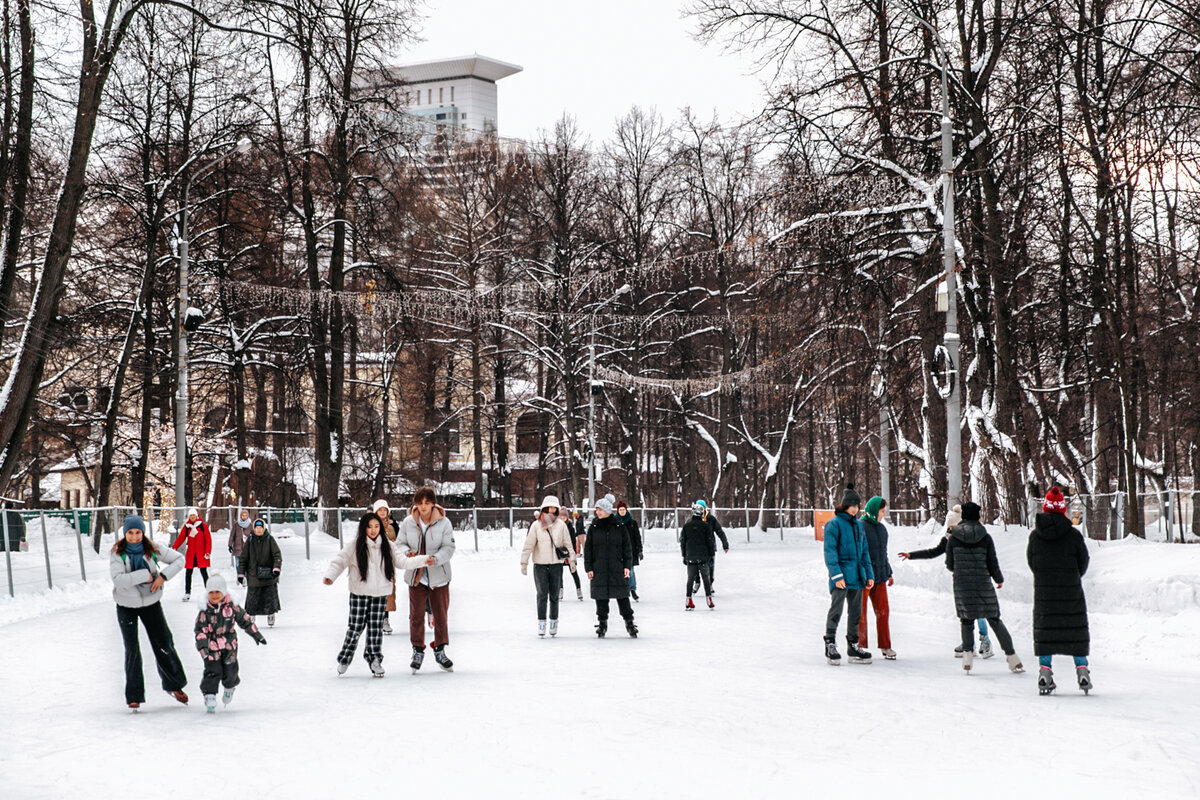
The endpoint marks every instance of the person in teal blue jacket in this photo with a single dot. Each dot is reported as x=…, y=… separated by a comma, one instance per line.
x=850, y=573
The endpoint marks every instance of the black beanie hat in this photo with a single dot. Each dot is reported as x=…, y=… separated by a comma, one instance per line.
x=970, y=511
x=850, y=497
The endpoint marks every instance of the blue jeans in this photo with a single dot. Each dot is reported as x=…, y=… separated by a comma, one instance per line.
x=1080, y=661
x=632, y=579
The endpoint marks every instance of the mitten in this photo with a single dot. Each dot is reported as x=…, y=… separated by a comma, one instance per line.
x=276, y=572
x=261, y=639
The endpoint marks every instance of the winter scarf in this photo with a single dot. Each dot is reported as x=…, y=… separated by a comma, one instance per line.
x=872, y=508
x=137, y=555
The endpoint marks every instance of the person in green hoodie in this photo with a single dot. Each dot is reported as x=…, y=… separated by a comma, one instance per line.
x=877, y=541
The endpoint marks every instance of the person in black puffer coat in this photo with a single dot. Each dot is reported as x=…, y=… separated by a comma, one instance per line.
x=1058, y=558
x=971, y=556
x=696, y=545
x=607, y=557
x=259, y=567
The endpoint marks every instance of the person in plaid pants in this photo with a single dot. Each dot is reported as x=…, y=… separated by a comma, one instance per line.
x=371, y=563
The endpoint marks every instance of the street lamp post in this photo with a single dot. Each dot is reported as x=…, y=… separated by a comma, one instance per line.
x=625, y=289
x=181, y=391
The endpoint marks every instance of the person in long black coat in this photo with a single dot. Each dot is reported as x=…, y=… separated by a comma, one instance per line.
x=635, y=540
x=1058, y=558
x=971, y=556
x=607, y=557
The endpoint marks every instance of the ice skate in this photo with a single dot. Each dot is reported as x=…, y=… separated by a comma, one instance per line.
x=710, y=602
x=831, y=653
x=180, y=696
x=856, y=654
x=985, y=647
x=631, y=629
x=443, y=661
x=554, y=627
x=418, y=657
x=270, y=620
x=134, y=706
x=227, y=696
x=633, y=594
x=187, y=598
x=341, y=668
x=601, y=628
x=542, y=628
x=579, y=592
x=1014, y=663
x=689, y=605
x=1084, y=676
x=377, y=667
x=1046, y=683
x=888, y=653
x=958, y=651
x=210, y=703
x=387, y=626
x=967, y=657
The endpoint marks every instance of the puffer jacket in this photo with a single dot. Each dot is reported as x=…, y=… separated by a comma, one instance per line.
x=375, y=584
x=971, y=556
x=260, y=551
x=216, y=630
x=607, y=553
x=1058, y=558
x=696, y=541
x=846, y=555
x=877, y=543
x=199, y=543
x=131, y=588
x=439, y=543
x=540, y=543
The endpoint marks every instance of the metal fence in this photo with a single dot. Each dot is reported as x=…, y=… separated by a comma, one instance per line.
x=54, y=547
x=1169, y=515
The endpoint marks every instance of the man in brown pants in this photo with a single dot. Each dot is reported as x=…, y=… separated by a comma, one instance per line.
x=426, y=531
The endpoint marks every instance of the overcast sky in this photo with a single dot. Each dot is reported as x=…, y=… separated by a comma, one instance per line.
x=593, y=60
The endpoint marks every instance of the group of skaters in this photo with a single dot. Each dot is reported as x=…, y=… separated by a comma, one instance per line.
x=859, y=573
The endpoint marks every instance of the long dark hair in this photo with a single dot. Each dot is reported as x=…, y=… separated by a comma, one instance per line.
x=360, y=547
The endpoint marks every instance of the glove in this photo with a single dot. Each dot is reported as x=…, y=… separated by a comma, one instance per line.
x=524, y=569
x=276, y=572
x=241, y=580
x=261, y=640
x=726, y=549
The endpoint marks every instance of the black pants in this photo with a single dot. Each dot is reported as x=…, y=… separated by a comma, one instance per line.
x=712, y=573
x=187, y=579
x=623, y=605
x=218, y=673
x=697, y=573
x=1002, y=634
x=839, y=597
x=548, y=580
x=170, y=668
x=574, y=575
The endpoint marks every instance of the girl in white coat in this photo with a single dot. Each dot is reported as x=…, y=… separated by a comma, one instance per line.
x=372, y=564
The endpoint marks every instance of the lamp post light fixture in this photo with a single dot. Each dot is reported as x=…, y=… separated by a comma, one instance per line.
x=189, y=319
x=593, y=388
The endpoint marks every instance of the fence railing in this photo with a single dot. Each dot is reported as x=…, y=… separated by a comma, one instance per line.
x=52, y=547
x=1169, y=515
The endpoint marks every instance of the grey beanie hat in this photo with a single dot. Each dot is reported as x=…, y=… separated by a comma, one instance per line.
x=605, y=505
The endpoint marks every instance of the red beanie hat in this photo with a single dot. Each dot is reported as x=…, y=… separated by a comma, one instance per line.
x=1055, y=502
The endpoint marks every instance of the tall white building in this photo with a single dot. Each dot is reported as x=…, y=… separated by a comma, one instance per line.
x=458, y=92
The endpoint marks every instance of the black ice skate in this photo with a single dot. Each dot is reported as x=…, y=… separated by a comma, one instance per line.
x=856, y=654
x=631, y=629
x=831, y=652
x=601, y=628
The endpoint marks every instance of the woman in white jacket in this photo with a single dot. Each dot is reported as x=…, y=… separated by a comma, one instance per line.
x=548, y=536
x=372, y=564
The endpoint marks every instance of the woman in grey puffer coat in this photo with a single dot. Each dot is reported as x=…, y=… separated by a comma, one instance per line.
x=971, y=556
x=139, y=568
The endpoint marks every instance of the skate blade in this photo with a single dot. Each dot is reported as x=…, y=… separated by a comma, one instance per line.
x=889, y=658
x=833, y=663
x=860, y=661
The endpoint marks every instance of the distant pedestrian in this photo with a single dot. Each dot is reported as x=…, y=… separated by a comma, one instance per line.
x=849, y=566
x=259, y=566
x=547, y=543
x=216, y=639
x=877, y=541
x=971, y=557
x=607, y=556
x=199, y=548
x=139, y=569
x=238, y=532
x=1058, y=557
x=372, y=565
x=565, y=518
x=384, y=513
x=697, y=547
x=635, y=539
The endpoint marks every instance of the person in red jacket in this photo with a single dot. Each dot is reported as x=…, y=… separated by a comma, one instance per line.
x=199, y=549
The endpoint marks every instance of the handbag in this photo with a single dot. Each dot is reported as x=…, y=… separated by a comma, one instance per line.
x=560, y=552
x=264, y=573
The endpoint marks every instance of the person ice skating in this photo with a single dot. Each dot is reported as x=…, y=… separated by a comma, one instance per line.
x=138, y=570
x=715, y=532
x=971, y=557
x=565, y=518
x=635, y=539
x=697, y=547
x=548, y=542
x=953, y=517
x=217, y=641
x=607, y=557
x=237, y=538
x=426, y=531
x=849, y=566
x=877, y=540
x=371, y=563
x=580, y=532
x=199, y=549
x=1058, y=558
x=384, y=513
x=259, y=567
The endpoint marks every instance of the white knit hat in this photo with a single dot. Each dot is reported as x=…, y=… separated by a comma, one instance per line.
x=380, y=503
x=193, y=512
x=549, y=501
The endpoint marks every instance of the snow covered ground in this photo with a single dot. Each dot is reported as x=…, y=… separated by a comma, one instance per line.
x=736, y=702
